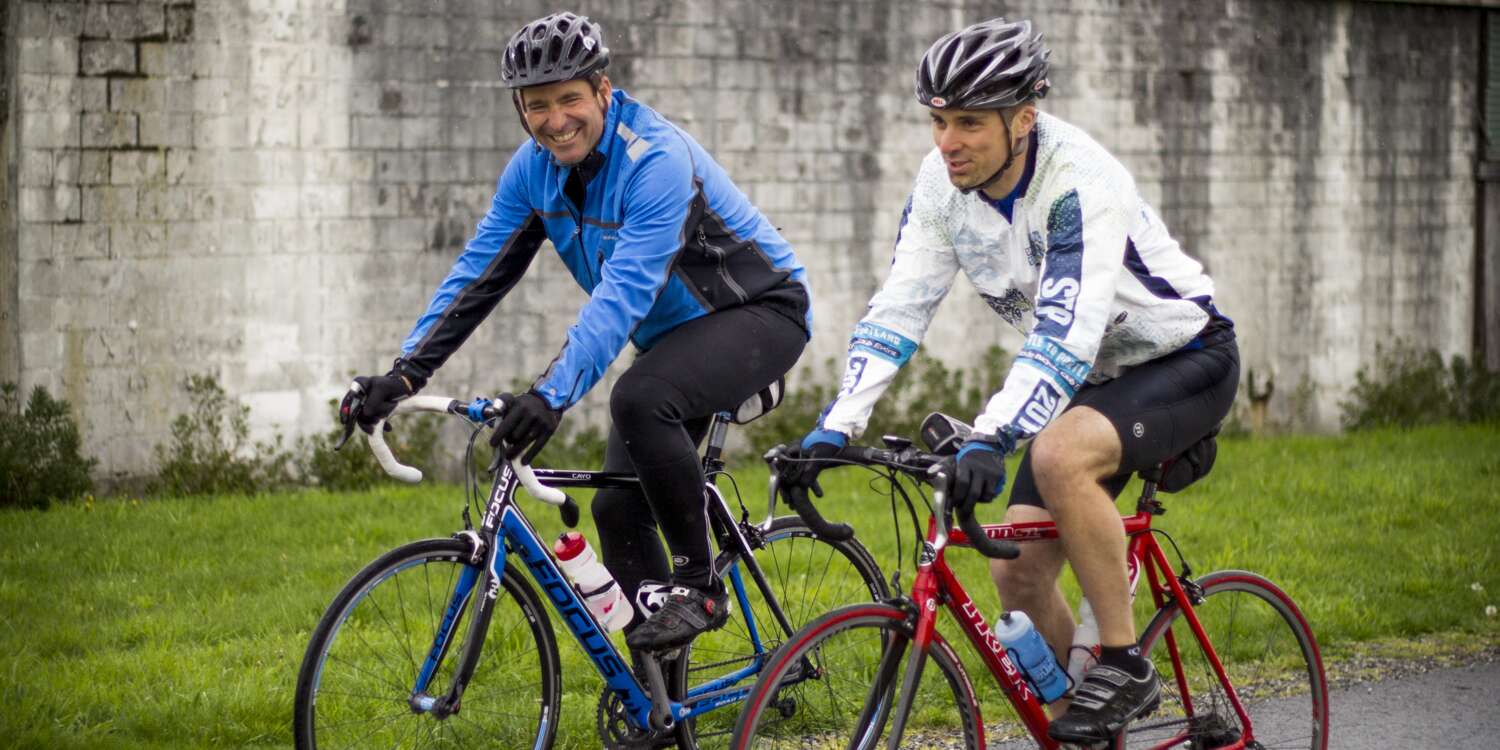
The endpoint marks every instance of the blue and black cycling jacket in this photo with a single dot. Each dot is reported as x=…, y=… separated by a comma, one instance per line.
x=663, y=237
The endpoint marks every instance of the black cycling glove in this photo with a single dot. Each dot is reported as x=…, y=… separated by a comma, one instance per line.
x=377, y=396
x=527, y=426
x=978, y=472
x=819, y=446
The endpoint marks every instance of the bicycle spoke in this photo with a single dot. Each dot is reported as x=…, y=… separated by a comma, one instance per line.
x=388, y=681
x=405, y=628
x=454, y=733
x=358, y=741
x=846, y=675
x=365, y=696
x=1263, y=649
x=362, y=701
x=401, y=636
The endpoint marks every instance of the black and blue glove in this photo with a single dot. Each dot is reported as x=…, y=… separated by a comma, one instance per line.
x=377, y=396
x=819, y=446
x=978, y=471
x=527, y=425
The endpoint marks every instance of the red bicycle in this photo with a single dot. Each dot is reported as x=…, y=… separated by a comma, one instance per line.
x=1239, y=665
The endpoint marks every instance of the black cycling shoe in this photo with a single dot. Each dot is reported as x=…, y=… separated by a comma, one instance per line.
x=686, y=613
x=1108, y=699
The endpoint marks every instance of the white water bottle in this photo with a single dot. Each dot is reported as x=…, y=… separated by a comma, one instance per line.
x=592, y=580
x=1032, y=655
x=1084, y=653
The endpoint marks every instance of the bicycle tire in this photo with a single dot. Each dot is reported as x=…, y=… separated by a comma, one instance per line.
x=845, y=678
x=845, y=573
x=1269, y=653
x=360, y=666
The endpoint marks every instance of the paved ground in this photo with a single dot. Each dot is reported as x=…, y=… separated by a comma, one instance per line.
x=1457, y=707
x=1452, y=707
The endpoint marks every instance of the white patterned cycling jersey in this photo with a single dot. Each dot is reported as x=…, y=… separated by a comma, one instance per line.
x=1074, y=259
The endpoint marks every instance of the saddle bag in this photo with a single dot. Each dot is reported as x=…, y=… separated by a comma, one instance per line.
x=1191, y=465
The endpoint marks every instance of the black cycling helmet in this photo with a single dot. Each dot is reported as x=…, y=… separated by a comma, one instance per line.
x=990, y=65
x=559, y=47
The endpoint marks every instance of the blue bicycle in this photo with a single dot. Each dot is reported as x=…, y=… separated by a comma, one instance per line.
x=445, y=643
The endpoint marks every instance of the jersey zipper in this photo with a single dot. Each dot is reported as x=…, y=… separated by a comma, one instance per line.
x=583, y=253
x=719, y=255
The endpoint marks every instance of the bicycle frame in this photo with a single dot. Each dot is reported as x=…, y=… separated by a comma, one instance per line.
x=505, y=523
x=935, y=582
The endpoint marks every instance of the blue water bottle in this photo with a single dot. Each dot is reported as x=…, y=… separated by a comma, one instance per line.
x=1032, y=655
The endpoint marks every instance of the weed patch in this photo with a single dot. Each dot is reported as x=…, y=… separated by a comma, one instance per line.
x=1406, y=387
x=40, y=460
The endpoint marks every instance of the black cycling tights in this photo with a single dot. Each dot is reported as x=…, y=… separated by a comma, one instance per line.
x=661, y=408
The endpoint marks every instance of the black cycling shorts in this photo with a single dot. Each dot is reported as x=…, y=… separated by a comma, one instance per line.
x=1159, y=409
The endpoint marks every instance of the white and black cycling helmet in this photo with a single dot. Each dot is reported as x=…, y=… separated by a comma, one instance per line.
x=559, y=47
x=990, y=65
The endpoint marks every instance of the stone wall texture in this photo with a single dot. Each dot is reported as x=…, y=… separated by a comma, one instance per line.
x=269, y=190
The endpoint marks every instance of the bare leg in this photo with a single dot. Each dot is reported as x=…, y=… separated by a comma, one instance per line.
x=1029, y=584
x=1069, y=459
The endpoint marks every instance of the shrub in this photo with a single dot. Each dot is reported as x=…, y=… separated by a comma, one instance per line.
x=926, y=386
x=413, y=439
x=40, y=460
x=576, y=445
x=208, y=453
x=1407, y=387
x=923, y=386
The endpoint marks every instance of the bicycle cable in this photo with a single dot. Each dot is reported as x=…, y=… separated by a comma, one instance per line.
x=891, y=474
x=735, y=485
x=471, y=479
x=1182, y=563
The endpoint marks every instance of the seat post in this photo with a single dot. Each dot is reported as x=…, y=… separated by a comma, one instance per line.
x=1148, y=502
x=713, y=451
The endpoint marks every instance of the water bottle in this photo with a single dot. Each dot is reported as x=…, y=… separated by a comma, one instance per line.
x=1084, y=653
x=1032, y=655
x=592, y=580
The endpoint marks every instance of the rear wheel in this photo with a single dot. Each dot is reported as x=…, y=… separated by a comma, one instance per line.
x=809, y=575
x=834, y=685
x=1269, y=654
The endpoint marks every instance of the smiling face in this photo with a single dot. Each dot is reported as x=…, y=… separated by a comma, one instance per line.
x=973, y=142
x=567, y=118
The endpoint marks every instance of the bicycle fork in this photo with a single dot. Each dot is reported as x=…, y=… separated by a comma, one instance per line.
x=877, y=702
x=441, y=707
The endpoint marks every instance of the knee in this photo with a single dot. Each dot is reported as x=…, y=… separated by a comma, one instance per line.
x=613, y=509
x=636, y=399
x=631, y=400
x=1020, y=582
x=1052, y=463
x=1063, y=467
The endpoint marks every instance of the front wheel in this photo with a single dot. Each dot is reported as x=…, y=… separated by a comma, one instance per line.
x=807, y=575
x=835, y=683
x=364, y=659
x=1269, y=654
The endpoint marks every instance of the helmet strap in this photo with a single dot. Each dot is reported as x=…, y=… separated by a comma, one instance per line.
x=515, y=99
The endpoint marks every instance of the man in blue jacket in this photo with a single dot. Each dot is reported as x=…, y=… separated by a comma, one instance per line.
x=674, y=258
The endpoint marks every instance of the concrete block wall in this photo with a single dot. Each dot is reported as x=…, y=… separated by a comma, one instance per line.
x=269, y=190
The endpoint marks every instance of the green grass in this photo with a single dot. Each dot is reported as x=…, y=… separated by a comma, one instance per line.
x=182, y=623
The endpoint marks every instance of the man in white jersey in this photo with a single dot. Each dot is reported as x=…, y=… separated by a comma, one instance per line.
x=1126, y=363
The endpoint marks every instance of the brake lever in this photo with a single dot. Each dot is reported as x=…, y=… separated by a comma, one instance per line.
x=348, y=432
x=349, y=410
